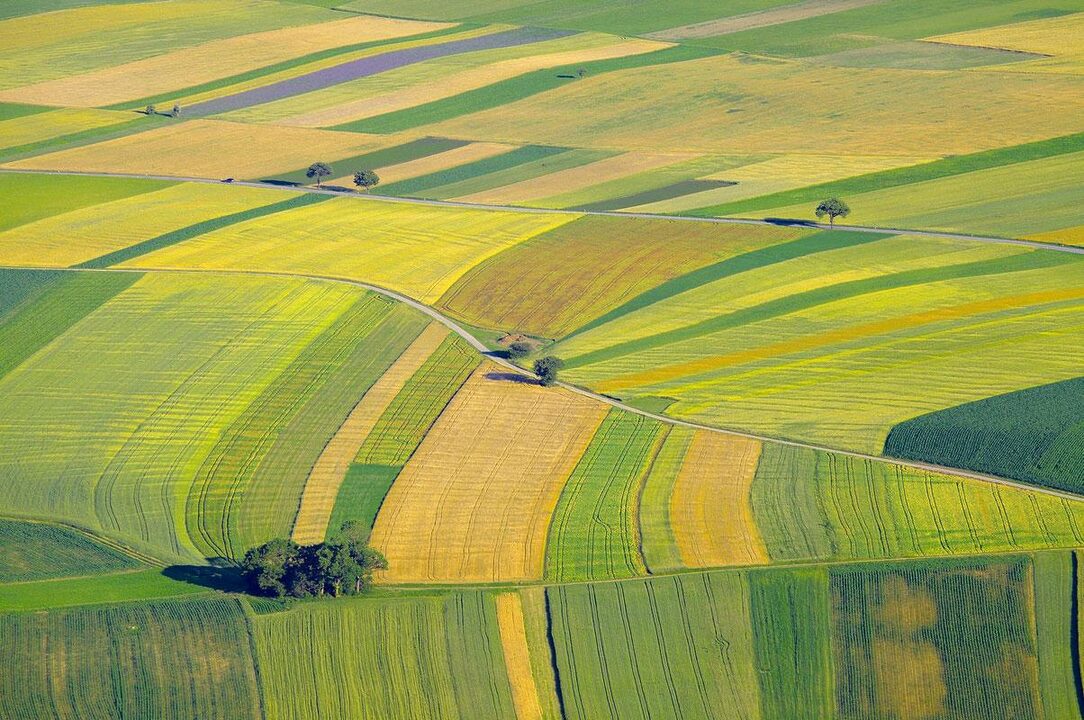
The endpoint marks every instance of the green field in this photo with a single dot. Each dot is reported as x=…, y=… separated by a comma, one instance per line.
x=32, y=551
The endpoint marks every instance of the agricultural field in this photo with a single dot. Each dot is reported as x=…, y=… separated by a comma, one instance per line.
x=789, y=466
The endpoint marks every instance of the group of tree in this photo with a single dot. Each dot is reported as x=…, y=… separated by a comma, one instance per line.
x=152, y=110
x=546, y=369
x=364, y=179
x=341, y=565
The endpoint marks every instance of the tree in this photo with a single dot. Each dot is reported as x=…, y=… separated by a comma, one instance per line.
x=366, y=179
x=833, y=208
x=581, y=73
x=546, y=369
x=319, y=171
x=176, y=112
x=519, y=349
x=267, y=568
x=150, y=110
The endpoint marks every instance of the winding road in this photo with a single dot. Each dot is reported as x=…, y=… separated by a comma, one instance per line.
x=484, y=350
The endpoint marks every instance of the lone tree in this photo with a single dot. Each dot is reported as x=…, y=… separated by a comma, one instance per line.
x=341, y=565
x=150, y=110
x=176, y=112
x=581, y=73
x=833, y=208
x=319, y=171
x=366, y=179
x=519, y=349
x=546, y=369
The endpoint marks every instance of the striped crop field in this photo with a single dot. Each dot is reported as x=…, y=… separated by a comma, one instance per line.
x=837, y=343
x=215, y=60
x=463, y=154
x=518, y=657
x=1054, y=39
x=187, y=658
x=30, y=129
x=561, y=280
x=475, y=500
x=35, y=551
x=207, y=149
x=261, y=371
x=34, y=197
x=419, y=251
x=657, y=532
x=438, y=657
x=594, y=532
x=91, y=232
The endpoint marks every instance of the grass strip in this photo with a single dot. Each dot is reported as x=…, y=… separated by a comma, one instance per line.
x=820, y=242
x=946, y=167
x=200, y=228
x=413, y=150
x=420, y=186
x=514, y=89
x=83, y=137
x=95, y=589
x=820, y=296
x=222, y=83
x=666, y=192
x=10, y=111
x=526, y=171
x=361, y=495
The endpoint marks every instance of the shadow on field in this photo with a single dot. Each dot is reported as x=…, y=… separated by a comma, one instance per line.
x=283, y=183
x=226, y=579
x=789, y=221
x=511, y=377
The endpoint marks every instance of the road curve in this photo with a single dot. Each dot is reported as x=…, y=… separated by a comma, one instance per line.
x=482, y=349
x=370, y=197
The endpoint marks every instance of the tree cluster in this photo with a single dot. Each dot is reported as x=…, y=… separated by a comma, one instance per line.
x=364, y=179
x=342, y=565
x=546, y=369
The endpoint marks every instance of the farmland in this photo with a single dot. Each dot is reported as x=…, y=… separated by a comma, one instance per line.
x=789, y=466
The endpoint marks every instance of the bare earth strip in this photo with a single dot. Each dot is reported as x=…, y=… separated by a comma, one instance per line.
x=710, y=509
x=210, y=61
x=517, y=657
x=761, y=18
x=327, y=474
x=474, y=502
x=432, y=163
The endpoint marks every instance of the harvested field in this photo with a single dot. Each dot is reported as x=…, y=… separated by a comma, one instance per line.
x=206, y=148
x=475, y=500
x=397, y=249
x=710, y=505
x=761, y=18
x=363, y=67
x=565, y=278
x=517, y=656
x=326, y=476
x=595, y=531
x=204, y=63
x=1056, y=37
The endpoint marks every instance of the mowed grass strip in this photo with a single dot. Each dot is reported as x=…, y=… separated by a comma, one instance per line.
x=657, y=537
x=710, y=507
x=37, y=551
x=397, y=249
x=475, y=501
x=651, y=648
x=187, y=658
x=572, y=275
x=812, y=505
x=327, y=475
x=98, y=589
x=595, y=530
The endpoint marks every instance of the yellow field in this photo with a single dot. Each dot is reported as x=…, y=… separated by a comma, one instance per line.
x=1060, y=37
x=470, y=79
x=210, y=61
x=209, y=149
x=710, y=509
x=475, y=500
x=850, y=111
x=1065, y=236
x=42, y=126
x=577, y=178
x=322, y=487
x=431, y=163
x=517, y=656
x=781, y=173
x=760, y=18
x=91, y=232
x=414, y=249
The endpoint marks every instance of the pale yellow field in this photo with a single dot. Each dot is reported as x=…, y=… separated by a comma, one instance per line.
x=517, y=656
x=208, y=149
x=1065, y=236
x=468, y=80
x=42, y=126
x=1060, y=37
x=577, y=178
x=414, y=249
x=475, y=500
x=431, y=163
x=761, y=18
x=710, y=509
x=91, y=232
x=326, y=477
x=781, y=173
x=210, y=61
x=750, y=105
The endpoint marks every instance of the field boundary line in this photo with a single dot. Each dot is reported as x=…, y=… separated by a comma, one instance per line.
x=372, y=197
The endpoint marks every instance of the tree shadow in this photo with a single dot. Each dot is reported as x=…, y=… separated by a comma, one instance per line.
x=789, y=222
x=512, y=377
x=226, y=579
x=283, y=183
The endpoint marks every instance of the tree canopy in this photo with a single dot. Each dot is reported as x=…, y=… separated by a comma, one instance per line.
x=341, y=565
x=366, y=179
x=318, y=170
x=833, y=208
x=546, y=369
